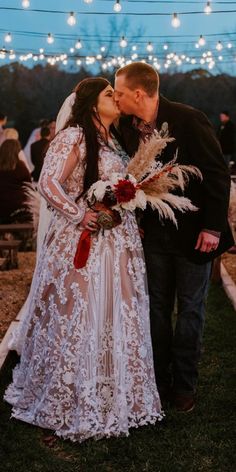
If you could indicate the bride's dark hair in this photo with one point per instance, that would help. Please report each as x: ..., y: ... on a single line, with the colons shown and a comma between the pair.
x: 83, y: 112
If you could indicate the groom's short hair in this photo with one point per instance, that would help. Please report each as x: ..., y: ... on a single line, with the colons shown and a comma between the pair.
x: 139, y: 74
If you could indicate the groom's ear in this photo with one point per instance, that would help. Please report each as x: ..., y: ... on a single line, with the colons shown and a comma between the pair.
x: 138, y: 94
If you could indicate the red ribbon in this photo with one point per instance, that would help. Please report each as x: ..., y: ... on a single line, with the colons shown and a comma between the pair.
x: 83, y: 248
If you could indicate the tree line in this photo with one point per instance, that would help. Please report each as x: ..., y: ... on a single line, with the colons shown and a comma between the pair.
x: 28, y: 95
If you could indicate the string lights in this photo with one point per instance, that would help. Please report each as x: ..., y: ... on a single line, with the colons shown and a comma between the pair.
x: 117, y: 6
x: 78, y: 44
x: 208, y: 9
x: 71, y: 20
x: 123, y: 42
x: 175, y: 21
x: 163, y: 57
x: 25, y: 3
x: 50, y: 38
x: 201, y: 41
x: 8, y: 38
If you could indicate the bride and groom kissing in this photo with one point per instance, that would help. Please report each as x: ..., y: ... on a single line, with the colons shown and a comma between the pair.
x: 89, y: 366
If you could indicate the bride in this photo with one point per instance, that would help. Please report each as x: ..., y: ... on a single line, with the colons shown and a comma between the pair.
x: 86, y: 367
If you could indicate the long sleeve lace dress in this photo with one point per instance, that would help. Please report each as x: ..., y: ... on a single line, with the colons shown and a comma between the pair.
x: 86, y: 367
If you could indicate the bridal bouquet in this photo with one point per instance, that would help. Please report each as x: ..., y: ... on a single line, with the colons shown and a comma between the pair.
x: 147, y: 181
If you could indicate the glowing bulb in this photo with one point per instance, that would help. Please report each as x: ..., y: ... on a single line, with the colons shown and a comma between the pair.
x: 88, y: 1
x: 103, y: 49
x: 229, y: 45
x: 117, y: 6
x: 201, y: 41
x: 25, y: 3
x: 165, y: 47
x: 134, y: 48
x: 8, y: 38
x: 123, y: 42
x: 175, y: 21
x: 149, y: 47
x: 219, y: 46
x: 78, y: 44
x: 208, y: 8
x: 72, y: 50
x: 71, y: 19
x: 50, y: 38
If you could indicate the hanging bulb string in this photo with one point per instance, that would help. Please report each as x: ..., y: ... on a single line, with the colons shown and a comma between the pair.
x: 37, y: 10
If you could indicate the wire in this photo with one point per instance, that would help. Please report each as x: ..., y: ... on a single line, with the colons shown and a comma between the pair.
x: 36, y: 10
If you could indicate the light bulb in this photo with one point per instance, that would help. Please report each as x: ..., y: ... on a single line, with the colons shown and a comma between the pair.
x: 149, y: 47
x: 208, y: 8
x: 175, y: 21
x: 8, y: 38
x: 201, y: 41
x: 117, y: 6
x: 71, y: 20
x: 78, y: 44
x: 25, y: 3
x: 88, y: 1
x: 165, y: 47
x: 123, y: 42
x: 219, y: 46
x: 229, y: 45
x: 50, y: 38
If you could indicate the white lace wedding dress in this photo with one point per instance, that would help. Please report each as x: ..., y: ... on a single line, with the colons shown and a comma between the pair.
x: 86, y: 367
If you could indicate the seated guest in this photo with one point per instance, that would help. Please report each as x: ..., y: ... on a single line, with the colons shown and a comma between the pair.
x: 38, y: 151
x: 12, y: 133
x: 13, y: 176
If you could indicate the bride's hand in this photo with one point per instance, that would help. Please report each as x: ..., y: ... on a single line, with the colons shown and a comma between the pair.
x: 90, y: 221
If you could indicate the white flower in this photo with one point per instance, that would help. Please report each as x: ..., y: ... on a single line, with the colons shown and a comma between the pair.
x: 131, y: 205
x: 98, y: 189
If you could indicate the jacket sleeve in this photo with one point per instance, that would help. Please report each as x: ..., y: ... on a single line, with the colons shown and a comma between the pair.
x: 60, y: 161
x: 205, y: 153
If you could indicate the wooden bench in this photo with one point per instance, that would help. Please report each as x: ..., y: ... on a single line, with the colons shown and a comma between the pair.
x: 8, y: 251
x: 13, y: 227
x: 23, y: 231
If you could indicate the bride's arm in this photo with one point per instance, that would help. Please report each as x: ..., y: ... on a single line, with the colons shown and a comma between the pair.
x: 60, y: 161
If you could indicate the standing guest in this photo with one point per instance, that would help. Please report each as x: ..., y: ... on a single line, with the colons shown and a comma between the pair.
x: 12, y: 133
x: 3, y: 120
x: 52, y: 127
x: 13, y: 177
x: 178, y: 260
x: 38, y: 152
x: 34, y: 136
x: 226, y: 135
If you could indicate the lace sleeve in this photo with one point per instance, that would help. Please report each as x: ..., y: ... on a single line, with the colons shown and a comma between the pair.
x: 60, y: 161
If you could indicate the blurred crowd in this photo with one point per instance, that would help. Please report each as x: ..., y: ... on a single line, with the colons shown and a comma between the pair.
x: 20, y: 168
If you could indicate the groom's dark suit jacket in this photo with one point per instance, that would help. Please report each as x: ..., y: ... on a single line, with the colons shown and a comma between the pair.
x: 197, y: 145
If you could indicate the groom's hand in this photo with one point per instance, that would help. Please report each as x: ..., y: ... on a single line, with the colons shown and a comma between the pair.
x: 207, y: 242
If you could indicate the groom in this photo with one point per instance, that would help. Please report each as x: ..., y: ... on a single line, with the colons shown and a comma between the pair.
x: 178, y: 260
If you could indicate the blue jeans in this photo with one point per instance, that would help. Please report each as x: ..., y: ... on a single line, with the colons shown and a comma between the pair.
x: 176, y: 349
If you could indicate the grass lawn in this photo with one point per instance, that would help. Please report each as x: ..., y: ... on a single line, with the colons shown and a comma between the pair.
x: 200, y: 441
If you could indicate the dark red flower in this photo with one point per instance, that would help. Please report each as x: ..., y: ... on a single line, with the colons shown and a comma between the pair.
x: 124, y: 191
